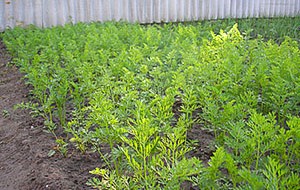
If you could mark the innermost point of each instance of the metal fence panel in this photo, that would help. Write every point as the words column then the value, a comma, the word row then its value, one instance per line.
column 47, row 13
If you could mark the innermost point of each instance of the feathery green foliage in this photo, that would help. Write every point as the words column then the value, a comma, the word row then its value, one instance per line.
column 118, row 84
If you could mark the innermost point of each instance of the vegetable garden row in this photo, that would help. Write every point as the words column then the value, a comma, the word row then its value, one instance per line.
column 140, row 89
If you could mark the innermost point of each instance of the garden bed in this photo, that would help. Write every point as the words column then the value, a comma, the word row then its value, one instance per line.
column 24, row 145
column 163, row 106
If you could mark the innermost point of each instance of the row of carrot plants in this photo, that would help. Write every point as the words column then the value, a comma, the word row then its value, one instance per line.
column 115, row 85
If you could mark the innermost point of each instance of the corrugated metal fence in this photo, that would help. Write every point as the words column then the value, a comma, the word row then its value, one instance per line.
column 45, row 13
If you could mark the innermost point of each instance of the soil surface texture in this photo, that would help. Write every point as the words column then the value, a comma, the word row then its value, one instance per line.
column 24, row 145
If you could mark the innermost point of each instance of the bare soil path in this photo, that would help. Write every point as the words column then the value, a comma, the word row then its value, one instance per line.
column 24, row 146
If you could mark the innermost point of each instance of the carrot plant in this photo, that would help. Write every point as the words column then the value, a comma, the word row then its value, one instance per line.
column 133, row 94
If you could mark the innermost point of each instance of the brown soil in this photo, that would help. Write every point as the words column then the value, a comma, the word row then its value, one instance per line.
column 24, row 146
column 205, row 145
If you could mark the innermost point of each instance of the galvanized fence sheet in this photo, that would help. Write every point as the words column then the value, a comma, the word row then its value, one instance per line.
column 47, row 13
